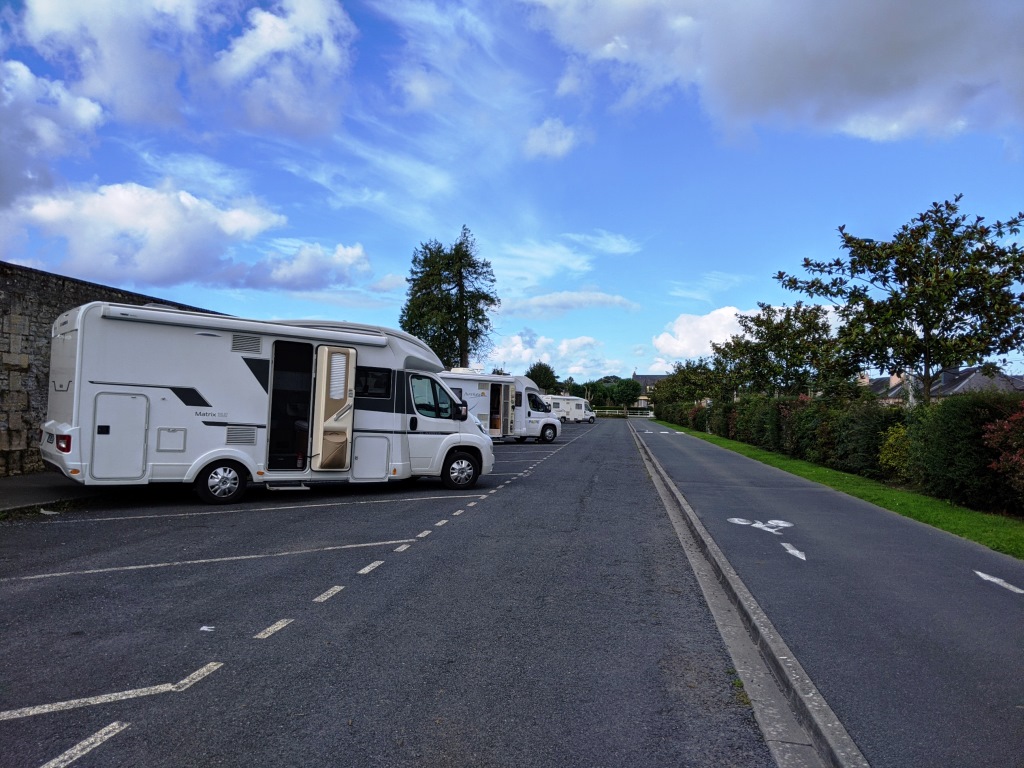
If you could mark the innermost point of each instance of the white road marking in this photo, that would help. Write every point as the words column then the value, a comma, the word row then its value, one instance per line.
column 247, row 510
column 277, row 626
column 330, row 593
column 402, row 548
column 1001, row 583
column 60, row 706
column 86, row 746
column 423, row 535
column 471, row 504
column 206, row 629
column 457, row 512
column 207, row 561
column 794, row 551
column 370, row 567
column 439, row 523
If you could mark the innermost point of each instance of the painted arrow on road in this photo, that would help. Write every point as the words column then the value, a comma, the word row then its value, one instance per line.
column 794, row 551
column 1001, row 583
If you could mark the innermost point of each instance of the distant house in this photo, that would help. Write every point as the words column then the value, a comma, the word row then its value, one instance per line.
column 956, row 381
column 647, row 382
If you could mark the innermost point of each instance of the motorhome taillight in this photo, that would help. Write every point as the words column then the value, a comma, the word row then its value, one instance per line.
column 64, row 443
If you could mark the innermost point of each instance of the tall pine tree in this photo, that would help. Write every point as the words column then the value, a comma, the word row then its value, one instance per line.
column 451, row 293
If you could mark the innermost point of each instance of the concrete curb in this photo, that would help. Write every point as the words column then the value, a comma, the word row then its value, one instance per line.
column 830, row 737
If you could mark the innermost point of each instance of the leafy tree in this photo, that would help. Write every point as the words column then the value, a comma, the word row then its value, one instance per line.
column 786, row 350
column 543, row 376
column 625, row 392
column 943, row 292
column 451, row 292
column 689, row 382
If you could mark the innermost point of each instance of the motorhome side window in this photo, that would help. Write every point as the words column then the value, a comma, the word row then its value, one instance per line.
column 373, row 382
column 430, row 398
column 536, row 403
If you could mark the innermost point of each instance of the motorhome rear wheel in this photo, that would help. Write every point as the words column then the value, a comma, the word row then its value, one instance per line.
column 222, row 482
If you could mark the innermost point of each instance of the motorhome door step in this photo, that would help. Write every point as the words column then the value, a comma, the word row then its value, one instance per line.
column 296, row 486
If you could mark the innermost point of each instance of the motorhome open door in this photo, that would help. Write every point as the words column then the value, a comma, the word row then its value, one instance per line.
column 334, row 403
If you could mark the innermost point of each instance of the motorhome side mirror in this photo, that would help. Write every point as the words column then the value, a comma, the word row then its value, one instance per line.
column 462, row 412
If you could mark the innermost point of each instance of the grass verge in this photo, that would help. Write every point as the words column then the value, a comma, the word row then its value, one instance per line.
column 998, row 532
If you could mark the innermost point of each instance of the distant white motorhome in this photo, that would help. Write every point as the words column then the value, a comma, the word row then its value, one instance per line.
column 574, row 409
column 508, row 406
column 149, row 394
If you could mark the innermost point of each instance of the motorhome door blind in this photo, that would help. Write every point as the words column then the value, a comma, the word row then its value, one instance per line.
column 339, row 376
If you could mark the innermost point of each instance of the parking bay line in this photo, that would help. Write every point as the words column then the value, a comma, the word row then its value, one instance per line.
column 84, row 747
column 60, row 706
column 206, row 561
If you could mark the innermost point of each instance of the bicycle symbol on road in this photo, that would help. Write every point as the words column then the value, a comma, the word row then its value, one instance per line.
column 772, row 526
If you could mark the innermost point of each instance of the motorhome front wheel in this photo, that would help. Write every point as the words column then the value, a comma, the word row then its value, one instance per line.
column 547, row 434
column 460, row 471
column 222, row 482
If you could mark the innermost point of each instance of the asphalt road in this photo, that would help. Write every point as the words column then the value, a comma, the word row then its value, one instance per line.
column 920, row 657
column 549, row 618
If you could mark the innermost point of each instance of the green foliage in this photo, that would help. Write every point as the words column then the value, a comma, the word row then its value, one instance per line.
column 943, row 292
column 625, row 392
column 894, row 455
column 948, row 455
column 451, row 293
column 543, row 376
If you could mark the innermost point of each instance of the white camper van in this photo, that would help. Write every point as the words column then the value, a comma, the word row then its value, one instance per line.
column 574, row 409
column 508, row 406
column 148, row 394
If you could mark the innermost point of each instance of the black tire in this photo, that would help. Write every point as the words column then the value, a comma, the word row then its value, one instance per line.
column 562, row 419
column 222, row 482
column 520, row 439
column 547, row 434
column 592, row 419
column 460, row 471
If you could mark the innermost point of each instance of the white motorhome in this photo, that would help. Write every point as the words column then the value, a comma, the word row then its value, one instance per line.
column 508, row 406
column 149, row 394
column 567, row 408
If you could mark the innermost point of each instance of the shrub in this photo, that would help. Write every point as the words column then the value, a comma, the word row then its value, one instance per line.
column 1006, row 438
column 894, row 453
column 948, row 455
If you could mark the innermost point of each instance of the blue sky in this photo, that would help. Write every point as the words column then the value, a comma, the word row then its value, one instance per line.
column 636, row 171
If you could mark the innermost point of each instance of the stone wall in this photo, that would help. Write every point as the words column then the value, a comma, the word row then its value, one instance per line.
column 30, row 300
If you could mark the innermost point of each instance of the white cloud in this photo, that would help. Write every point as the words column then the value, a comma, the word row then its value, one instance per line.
column 707, row 286
column 389, row 283
column 581, row 357
column 310, row 268
column 552, row 138
column 555, row 304
column 129, row 234
column 690, row 336
column 151, row 61
column 532, row 262
column 286, row 65
column 606, row 242
column 40, row 120
column 872, row 69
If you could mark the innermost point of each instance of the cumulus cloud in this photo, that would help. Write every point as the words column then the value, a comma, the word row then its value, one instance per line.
column 40, row 120
column 279, row 70
column 871, row 69
column 690, row 336
column 555, row 304
column 552, row 138
column 310, row 268
column 127, row 233
column 581, row 357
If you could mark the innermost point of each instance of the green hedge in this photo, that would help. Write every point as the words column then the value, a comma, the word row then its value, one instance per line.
column 939, row 449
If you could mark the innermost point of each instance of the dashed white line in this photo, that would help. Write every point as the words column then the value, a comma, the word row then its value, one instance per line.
column 403, row 548
column 423, row 535
column 1001, row 583
column 439, row 523
column 471, row 504
column 371, row 566
column 457, row 512
column 329, row 593
column 277, row 626
column 82, row 748
column 60, row 706
column 206, row 561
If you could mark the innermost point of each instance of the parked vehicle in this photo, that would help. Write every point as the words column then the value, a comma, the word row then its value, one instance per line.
column 567, row 408
column 150, row 394
column 508, row 406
